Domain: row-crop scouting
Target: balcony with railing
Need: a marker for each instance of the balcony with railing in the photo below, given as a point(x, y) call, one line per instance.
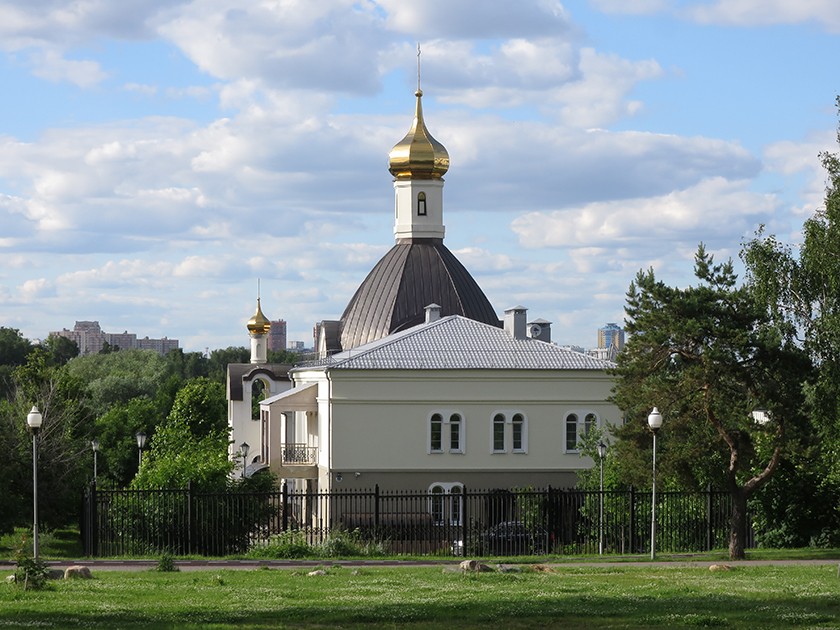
point(298, 455)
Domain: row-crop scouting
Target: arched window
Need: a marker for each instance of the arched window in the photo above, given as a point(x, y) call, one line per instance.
point(436, 501)
point(446, 431)
point(259, 392)
point(514, 439)
point(571, 432)
point(578, 425)
point(421, 204)
point(499, 433)
point(446, 502)
point(518, 426)
point(436, 433)
point(455, 433)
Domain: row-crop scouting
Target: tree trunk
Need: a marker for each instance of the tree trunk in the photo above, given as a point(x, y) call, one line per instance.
point(738, 524)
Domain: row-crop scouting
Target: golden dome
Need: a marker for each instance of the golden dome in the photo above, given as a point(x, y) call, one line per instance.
point(418, 155)
point(259, 324)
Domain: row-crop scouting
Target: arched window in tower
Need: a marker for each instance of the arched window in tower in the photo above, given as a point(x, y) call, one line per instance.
point(421, 204)
point(259, 392)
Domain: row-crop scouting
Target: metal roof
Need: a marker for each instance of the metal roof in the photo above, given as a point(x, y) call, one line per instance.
point(412, 275)
point(457, 342)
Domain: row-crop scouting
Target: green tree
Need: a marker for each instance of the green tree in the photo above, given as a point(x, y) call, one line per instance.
point(63, 439)
point(117, 377)
point(219, 359)
point(191, 445)
point(201, 405)
point(61, 349)
point(188, 365)
point(116, 430)
point(707, 356)
point(802, 289)
point(14, 348)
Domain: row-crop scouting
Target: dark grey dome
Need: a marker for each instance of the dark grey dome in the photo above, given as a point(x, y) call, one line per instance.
point(412, 275)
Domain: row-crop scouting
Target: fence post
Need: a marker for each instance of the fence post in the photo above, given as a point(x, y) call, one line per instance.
point(189, 517)
point(464, 515)
point(376, 507)
point(709, 517)
point(285, 506)
point(632, 524)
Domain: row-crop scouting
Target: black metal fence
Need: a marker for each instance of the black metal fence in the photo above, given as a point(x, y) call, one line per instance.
point(461, 522)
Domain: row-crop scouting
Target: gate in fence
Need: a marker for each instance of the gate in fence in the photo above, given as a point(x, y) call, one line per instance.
point(472, 523)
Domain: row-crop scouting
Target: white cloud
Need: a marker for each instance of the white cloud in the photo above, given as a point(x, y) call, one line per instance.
point(743, 13)
point(50, 65)
point(495, 19)
point(711, 211)
point(767, 12)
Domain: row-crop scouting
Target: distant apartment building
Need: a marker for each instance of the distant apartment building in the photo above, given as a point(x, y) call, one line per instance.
point(90, 338)
point(611, 336)
point(277, 336)
point(297, 346)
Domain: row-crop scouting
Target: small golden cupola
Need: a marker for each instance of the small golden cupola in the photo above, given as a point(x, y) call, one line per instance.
point(259, 324)
point(418, 155)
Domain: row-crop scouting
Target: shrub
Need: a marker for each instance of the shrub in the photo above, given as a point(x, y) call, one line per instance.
point(166, 563)
point(343, 543)
point(31, 572)
point(287, 545)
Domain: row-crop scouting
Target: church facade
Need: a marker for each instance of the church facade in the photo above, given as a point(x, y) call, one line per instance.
point(420, 385)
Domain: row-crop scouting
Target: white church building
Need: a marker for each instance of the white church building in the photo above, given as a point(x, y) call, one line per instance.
point(420, 385)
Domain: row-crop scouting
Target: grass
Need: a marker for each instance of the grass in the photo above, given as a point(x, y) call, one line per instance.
point(806, 596)
point(57, 543)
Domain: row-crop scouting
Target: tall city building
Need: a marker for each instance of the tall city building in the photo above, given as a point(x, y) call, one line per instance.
point(277, 336)
point(611, 336)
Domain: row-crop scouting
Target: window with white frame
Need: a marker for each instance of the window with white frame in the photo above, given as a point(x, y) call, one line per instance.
point(446, 502)
point(578, 424)
point(421, 204)
point(510, 432)
point(446, 432)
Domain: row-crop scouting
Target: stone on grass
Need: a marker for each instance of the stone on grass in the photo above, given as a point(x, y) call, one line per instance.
point(10, 579)
point(317, 572)
point(474, 566)
point(542, 568)
point(720, 567)
point(77, 571)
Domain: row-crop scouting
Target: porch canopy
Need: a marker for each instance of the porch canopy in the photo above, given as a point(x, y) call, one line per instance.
point(295, 399)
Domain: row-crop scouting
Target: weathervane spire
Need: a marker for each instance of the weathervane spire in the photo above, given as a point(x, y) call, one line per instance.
point(418, 66)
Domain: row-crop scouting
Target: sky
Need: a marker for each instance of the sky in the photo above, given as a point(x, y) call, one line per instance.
point(163, 161)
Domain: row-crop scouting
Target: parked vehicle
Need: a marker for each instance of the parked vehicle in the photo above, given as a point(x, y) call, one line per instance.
point(512, 538)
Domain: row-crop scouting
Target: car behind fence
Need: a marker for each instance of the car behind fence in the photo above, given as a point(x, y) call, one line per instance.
point(470, 522)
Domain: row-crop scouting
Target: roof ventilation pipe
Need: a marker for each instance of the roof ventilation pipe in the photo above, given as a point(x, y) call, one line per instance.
point(432, 313)
point(515, 319)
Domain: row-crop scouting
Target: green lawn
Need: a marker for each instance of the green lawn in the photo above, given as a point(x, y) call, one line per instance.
point(422, 597)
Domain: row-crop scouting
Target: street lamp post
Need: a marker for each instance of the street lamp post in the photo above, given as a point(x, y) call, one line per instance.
point(34, 420)
point(654, 422)
point(243, 452)
point(141, 444)
point(94, 445)
point(602, 452)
